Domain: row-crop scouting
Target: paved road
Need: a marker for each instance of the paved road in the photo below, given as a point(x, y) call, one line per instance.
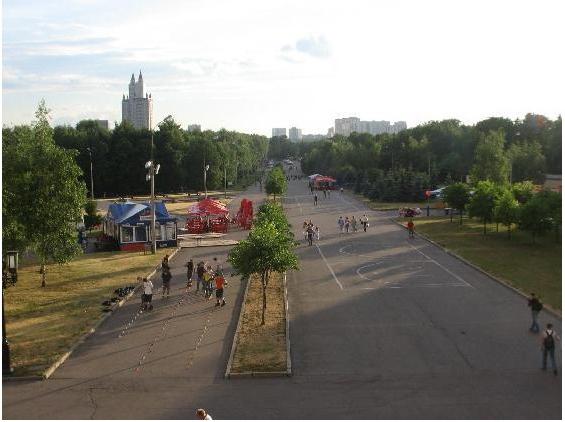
point(381, 328)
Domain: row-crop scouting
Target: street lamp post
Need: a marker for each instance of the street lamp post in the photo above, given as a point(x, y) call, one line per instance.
point(153, 170)
point(206, 168)
point(91, 175)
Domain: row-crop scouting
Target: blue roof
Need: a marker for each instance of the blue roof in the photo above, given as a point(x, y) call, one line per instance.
point(131, 212)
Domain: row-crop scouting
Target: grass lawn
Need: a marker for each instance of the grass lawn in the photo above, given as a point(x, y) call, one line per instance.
point(526, 266)
point(42, 323)
point(387, 206)
point(262, 348)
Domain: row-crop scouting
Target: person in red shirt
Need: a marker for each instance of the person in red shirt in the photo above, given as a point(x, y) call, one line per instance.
point(220, 283)
point(410, 226)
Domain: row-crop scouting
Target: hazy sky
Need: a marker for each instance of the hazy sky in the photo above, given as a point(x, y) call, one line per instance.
point(254, 65)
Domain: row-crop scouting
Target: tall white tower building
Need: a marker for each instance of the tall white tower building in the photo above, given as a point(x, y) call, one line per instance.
point(137, 108)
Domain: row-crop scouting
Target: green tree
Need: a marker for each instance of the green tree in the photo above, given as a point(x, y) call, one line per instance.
point(523, 191)
point(527, 161)
point(45, 194)
point(506, 209)
point(457, 196)
point(535, 216)
point(91, 217)
point(266, 250)
point(491, 162)
point(276, 182)
point(482, 202)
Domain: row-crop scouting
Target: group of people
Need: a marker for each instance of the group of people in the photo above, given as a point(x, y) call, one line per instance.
point(549, 337)
point(209, 278)
point(310, 231)
point(345, 224)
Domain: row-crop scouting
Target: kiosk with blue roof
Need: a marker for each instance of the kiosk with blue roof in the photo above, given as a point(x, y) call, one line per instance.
point(129, 225)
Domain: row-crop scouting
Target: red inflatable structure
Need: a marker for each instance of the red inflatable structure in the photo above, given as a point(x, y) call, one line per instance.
point(244, 217)
point(324, 183)
point(207, 215)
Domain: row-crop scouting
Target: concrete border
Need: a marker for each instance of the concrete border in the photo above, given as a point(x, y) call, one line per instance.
point(506, 284)
point(261, 374)
point(228, 373)
point(51, 369)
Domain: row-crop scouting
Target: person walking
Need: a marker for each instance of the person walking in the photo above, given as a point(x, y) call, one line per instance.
point(410, 227)
point(316, 199)
point(200, 270)
point(219, 268)
point(325, 194)
point(365, 222)
point(354, 224)
point(220, 283)
point(147, 294)
point(203, 415)
point(340, 223)
point(549, 338)
point(166, 278)
point(536, 306)
point(165, 262)
point(347, 224)
point(208, 276)
point(317, 231)
point(310, 235)
point(189, 273)
point(304, 229)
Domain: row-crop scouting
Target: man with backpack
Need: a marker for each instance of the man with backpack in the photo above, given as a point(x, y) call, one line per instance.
point(549, 338)
point(536, 307)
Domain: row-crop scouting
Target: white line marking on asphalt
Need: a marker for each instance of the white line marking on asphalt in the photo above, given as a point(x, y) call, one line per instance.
point(300, 205)
point(439, 265)
point(329, 268)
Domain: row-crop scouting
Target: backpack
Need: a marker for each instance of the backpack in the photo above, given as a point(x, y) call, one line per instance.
point(548, 341)
point(537, 305)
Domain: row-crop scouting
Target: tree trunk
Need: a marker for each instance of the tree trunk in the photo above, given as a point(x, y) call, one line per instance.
point(264, 286)
point(460, 217)
point(450, 216)
point(509, 229)
point(497, 226)
point(42, 271)
point(485, 226)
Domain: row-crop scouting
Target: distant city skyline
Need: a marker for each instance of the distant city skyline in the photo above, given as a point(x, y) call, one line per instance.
point(305, 63)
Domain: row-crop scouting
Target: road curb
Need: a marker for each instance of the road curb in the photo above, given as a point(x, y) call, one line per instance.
point(287, 320)
point(51, 369)
point(506, 284)
point(228, 373)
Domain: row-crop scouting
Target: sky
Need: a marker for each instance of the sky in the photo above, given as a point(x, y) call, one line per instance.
point(254, 65)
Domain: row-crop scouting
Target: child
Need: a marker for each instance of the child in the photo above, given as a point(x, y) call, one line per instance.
point(317, 230)
point(410, 226)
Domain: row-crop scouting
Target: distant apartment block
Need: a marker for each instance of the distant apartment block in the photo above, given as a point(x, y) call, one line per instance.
point(331, 132)
point(193, 128)
point(279, 131)
point(137, 108)
point(348, 125)
point(295, 134)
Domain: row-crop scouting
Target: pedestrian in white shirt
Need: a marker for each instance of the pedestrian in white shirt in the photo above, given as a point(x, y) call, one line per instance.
point(147, 294)
point(203, 415)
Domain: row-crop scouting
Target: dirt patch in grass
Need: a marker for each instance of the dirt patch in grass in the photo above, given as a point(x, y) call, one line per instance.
point(42, 323)
point(526, 266)
point(262, 348)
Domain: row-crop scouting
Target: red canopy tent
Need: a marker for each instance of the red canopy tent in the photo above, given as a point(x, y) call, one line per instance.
point(207, 215)
point(244, 216)
point(324, 182)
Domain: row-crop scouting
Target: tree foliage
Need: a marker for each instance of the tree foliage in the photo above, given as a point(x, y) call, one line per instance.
point(267, 249)
point(491, 162)
point(43, 194)
point(457, 196)
point(276, 182)
point(483, 201)
point(506, 209)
